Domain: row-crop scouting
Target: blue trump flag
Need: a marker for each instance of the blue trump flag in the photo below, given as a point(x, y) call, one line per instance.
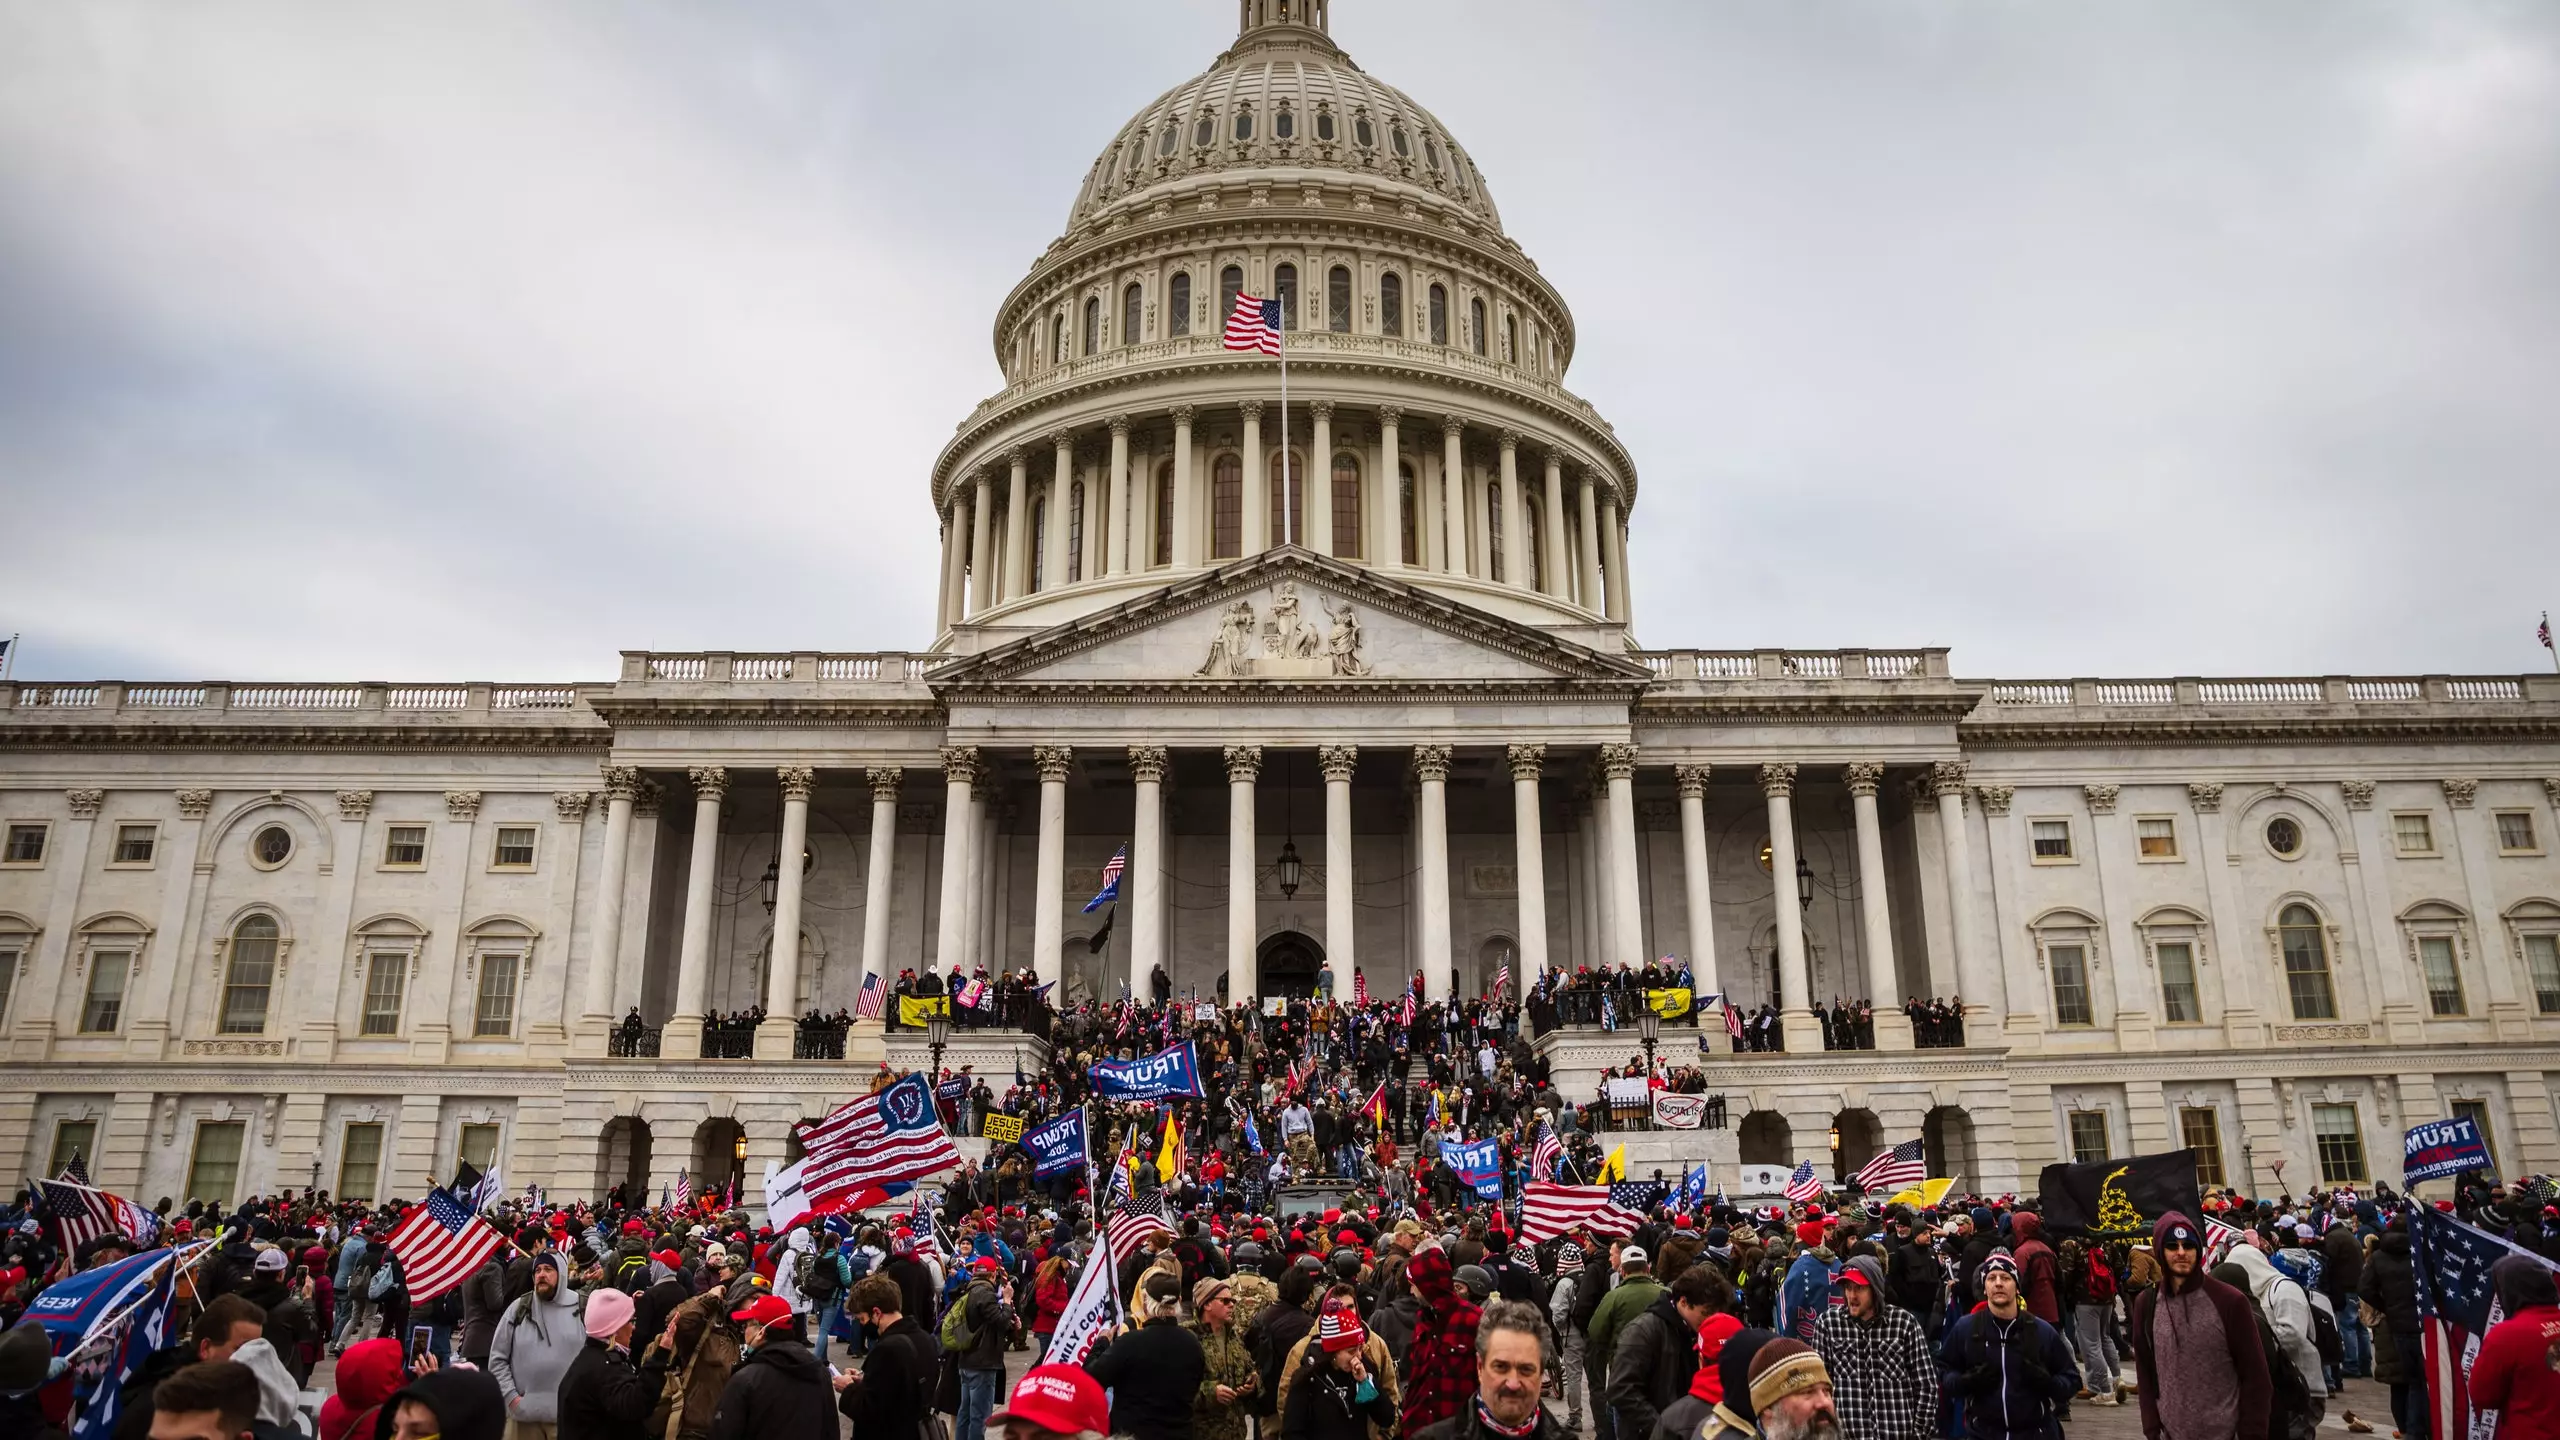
point(1167, 1072)
point(1478, 1163)
point(2442, 1148)
point(107, 1321)
point(1058, 1146)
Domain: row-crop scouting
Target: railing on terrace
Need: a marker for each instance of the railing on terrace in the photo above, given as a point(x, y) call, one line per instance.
point(2296, 692)
point(233, 697)
point(726, 666)
point(1930, 664)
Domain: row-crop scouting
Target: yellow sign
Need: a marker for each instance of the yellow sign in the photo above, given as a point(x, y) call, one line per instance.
point(1669, 1004)
point(912, 1010)
point(1004, 1129)
point(1929, 1193)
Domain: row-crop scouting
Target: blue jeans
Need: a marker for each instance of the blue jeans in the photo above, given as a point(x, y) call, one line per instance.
point(980, 1390)
point(2355, 1343)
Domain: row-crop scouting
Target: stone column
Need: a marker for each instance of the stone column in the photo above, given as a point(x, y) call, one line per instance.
point(1049, 881)
point(1062, 479)
point(1884, 985)
point(982, 563)
point(1592, 598)
point(1341, 884)
point(946, 596)
point(1615, 542)
point(1604, 886)
point(1804, 1032)
point(1244, 767)
point(1316, 484)
point(1257, 483)
point(683, 1037)
point(1431, 769)
point(1551, 531)
point(1452, 498)
point(1386, 552)
point(1980, 984)
point(1693, 874)
point(1117, 558)
point(1017, 527)
point(604, 962)
point(1528, 763)
point(1626, 935)
point(782, 974)
point(960, 778)
point(1515, 549)
point(878, 886)
point(1147, 766)
point(1187, 542)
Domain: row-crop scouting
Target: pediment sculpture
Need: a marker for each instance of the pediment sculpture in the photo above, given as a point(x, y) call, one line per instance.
point(1286, 644)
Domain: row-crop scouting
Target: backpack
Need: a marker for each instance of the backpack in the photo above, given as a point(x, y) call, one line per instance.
point(820, 1277)
point(2102, 1281)
point(2324, 1333)
point(856, 1265)
point(956, 1335)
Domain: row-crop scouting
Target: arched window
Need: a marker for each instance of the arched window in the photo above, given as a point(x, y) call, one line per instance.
point(1346, 505)
point(1171, 137)
point(1361, 134)
point(1532, 521)
point(2305, 942)
point(1177, 305)
point(1039, 540)
point(1226, 507)
point(1439, 315)
point(1405, 517)
point(1391, 304)
point(1092, 324)
point(249, 975)
point(1337, 300)
point(1396, 138)
point(1289, 526)
point(1324, 125)
point(1137, 154)
point(1284, 288)
point(1244, 124)
point(1206, 130)
point(1057, 339)
point(1230, 285)
point(1475, 325)
point(1430, 152)
point(1132, 313)
point(1075, 532)
point(1164, 514)
point(1493, 528)
point(1284, 125)
point(1510, 340)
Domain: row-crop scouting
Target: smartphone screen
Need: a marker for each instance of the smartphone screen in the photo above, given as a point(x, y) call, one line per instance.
point(421, 1339)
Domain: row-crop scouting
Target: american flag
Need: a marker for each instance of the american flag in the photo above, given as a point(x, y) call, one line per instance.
point(1110, 890)
point(684, 1189)
point(441, 1245)
point(1546, 1162)
point(1133, 1220)
point(2543, 633)
point(1732, 1022)
point(880, 1139)
point(81, 1213)
point(2218, 1239)
point(74, 1170)
point(1801, 1186)
point(1639, 1196)
point(867, 1005)
point(1894, 1169)
point(1501, 984)
point(928, 1237)
point(1404, 1016)
point(2457, 1306)
point(1254, 325)
point(1548, 1210)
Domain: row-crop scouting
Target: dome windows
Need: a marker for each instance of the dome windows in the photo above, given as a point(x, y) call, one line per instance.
point(1362, 134)
point(1475, 325)
point(1177, 307)
point(1230, 285)
point(1132, 313)
point(1206, 132)
point(1171, 137)
point(1057, 339)
point(1244, 123)
point(1391, 304)
point(1510, 339)
point(1324, 126)
point(1337, 300)
point(1431, 152)
point(1092, 324)
point(1439, 315)
point(1284, 288)
point(1397, 140)
point(1284, 125)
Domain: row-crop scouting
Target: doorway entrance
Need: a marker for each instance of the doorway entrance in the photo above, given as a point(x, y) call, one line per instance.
point(1289, 965)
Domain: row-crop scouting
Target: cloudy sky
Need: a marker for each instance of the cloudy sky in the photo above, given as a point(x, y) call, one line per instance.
point(483, 340)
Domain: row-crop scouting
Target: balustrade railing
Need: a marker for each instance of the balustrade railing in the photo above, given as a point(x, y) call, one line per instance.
point(729, 1040)
point(633, 1042)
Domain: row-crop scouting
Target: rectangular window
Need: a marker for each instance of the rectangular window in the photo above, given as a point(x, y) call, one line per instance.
point(2414, 832)
point(74, 1138)
point(360, 1162)
point(2178, 1002)
point(404, 847)
point(2444, 981)
point(2157, 837)
point(247, 984)
point(2088, 1136)
point(2070, 984)
point(2541, 956)
point(102, 1009)
point(2477, 1112)
point(25, 846)
point(386, 975)
point(514, 849)
point(10, 954)
point(2052, 839)
point(2201, 1129)
point(135, 844)
point(2341, 1143)
point(215, 1169)
point(480, 1147)
point(2515, 833)
point(495, 1014)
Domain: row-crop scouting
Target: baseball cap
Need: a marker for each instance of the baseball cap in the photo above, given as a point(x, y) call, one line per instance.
point(763, 1310)
point(1862, 1270)
point(1059, 1398)
point(1632, 1255)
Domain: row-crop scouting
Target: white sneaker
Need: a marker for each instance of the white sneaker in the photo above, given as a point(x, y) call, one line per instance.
point(2107, 1398)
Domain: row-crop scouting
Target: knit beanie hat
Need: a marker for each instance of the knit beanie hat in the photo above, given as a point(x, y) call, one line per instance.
point(1783, 1368)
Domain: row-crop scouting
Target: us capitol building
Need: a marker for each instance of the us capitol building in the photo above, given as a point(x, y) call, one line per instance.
point(256, 934)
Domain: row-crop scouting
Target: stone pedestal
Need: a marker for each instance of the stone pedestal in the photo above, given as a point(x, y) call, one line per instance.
point(1893, 1031)
point(775, 1038)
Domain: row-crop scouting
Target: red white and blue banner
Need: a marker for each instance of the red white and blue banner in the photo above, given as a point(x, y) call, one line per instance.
point(1167, 1072)
point(2457, 1306)
point(1478, 1163)
point(1058, 1146)
point(2442, 1149)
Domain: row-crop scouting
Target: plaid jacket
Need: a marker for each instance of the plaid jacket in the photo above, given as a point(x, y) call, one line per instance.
point(1884, 1380)
point(1440, 1361)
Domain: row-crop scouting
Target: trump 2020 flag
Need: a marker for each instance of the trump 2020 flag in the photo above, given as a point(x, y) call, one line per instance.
point(2456, 1306)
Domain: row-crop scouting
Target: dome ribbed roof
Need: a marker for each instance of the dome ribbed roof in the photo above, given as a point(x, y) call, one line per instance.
point(1282, 78)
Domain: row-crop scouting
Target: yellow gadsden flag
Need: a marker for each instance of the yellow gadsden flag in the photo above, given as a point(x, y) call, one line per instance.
point(1669, 1004)
point(1614, 1168)
point(912, 1010)
point(1929, 1192)
point(1169, 1159)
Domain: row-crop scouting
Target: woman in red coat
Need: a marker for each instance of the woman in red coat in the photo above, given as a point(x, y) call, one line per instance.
point(2512, 1373)
point(1048, 1301)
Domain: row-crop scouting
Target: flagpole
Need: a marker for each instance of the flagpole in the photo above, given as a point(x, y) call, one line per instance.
point(1288, 495)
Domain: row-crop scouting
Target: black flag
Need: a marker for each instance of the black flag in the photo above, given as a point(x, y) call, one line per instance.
point(1102, 937)
point(2116, 1199)
point(466, 1180)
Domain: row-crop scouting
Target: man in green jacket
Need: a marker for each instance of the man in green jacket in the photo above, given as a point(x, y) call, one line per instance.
point(1635, 1290)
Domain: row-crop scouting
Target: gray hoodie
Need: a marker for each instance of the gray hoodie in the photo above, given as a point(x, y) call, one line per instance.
point(536, 1341)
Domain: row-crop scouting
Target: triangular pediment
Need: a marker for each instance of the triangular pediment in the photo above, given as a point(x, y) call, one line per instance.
point(1290, 617)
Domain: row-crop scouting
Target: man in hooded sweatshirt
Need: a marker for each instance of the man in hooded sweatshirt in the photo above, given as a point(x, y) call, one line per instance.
point(2195, 1347)
point(537, 1340)
point(2513, 1374)
point(2039, 1269)
point(779, 1391)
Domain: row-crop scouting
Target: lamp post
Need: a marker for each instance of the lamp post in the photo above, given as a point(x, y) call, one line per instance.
point(1649, 1025)
point(1835, 1152)
point(1804, 884)
point(937, 1033)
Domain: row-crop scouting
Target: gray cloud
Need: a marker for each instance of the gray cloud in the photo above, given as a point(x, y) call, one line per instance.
point(489, 339)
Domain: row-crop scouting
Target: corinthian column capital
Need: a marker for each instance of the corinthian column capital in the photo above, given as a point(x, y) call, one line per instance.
point(1778, 778)
point(710, 782)
point(1338, 761)
point(1617, 762)
point(960, 764)
point(1528, 762)
point(798, 781)
point(1692, 780)
point(1431, 762)
point(1054, 761)
point(885, 780)
point(1864, 776)
point(1244, 762)
point(1147, 763)
point(621, 782)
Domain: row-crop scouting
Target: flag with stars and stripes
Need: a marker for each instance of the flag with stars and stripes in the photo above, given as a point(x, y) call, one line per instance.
point(75, 1171)
point(1639, 1196)
point(1547, 1160)
point(1254, 325)
point(1549, 1210)
point(866, 1006)
point(1359, 988)
point(684, 1190)
point(1133, 1220)
point(2458, 1306)
point(1802, 1186)
point(1893, 1169)
point(928, 1236)
point(1501, 984)
point(441, 1244)
point(1112, 870)
point(81, 1213)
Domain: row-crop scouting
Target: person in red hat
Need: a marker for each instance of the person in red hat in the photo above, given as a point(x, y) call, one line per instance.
point(1053, 1402)
point(1336, 1397)
point(779, 1391)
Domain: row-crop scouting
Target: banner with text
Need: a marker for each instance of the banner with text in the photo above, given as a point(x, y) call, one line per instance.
point(1478, 1163)
point(1058, 1146)
point(1167, 1072)
point(1629, 1092)
point(1003, 1129)
point(1679, 1112)
point(2441, 1149)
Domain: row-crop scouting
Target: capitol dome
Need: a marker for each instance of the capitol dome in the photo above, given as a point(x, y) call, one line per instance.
point(1283, 99)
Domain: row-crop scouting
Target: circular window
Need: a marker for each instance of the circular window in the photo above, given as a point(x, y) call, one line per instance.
point(272, 846)
point(2284, 836)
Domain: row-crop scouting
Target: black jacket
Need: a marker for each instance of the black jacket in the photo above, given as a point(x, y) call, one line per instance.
point(780, 1392)
point(603, 1397)
point(1655, 1359)
point(990, 1322)
point(483, 1296)
point(915, 1286)
point(2390, 1285)
point(1153, 1374)
point(1464, 1426)
point(649, 1314)
point(1322, 1405)
point(896, 1389)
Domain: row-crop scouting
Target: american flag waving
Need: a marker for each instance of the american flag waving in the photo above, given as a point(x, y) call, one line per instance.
point(1254, 325)
point(1133, 1220)
point(1110, 890)
point(81, 1213)
point(1893, 1169)
point(1547, 1211)
point(1801, 1186)
point(866, 1006)
point(876, 1140)
point(441, 1244)
point(684, 1188)
point(1501, 984)
point(1548, 1158)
